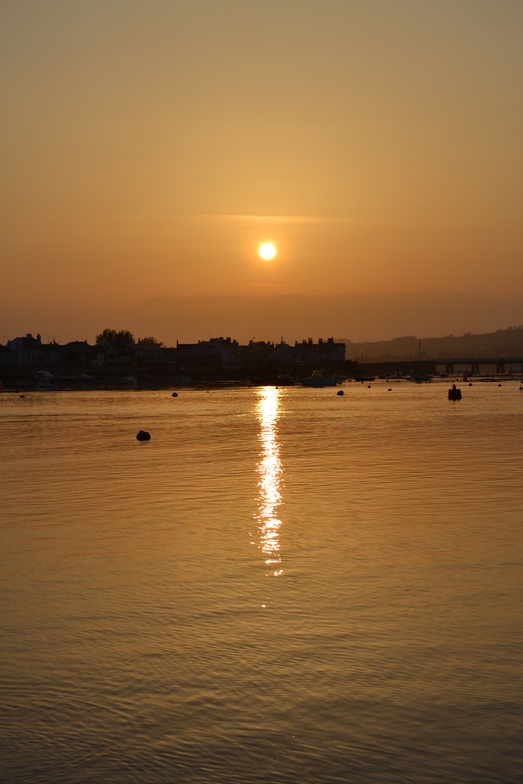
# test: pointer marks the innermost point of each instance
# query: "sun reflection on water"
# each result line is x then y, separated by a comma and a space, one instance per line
270, 470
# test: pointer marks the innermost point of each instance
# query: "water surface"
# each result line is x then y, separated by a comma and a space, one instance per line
283, 585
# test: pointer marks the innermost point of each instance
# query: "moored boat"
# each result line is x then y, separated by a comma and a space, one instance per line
45, 381
317, 380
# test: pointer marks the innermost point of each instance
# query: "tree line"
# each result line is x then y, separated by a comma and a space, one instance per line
123, 336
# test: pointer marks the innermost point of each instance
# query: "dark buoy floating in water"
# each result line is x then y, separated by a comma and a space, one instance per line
143, 435
454, 393
174, 394
340, 392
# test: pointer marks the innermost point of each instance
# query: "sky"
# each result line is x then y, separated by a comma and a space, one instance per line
149, 147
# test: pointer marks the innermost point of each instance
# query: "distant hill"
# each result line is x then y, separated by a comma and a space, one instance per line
503, 343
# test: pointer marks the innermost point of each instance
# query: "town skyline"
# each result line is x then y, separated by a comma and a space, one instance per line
295, 317
502, 341
119, 360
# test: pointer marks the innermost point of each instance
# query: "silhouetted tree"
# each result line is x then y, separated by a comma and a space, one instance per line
150, 341
112, 336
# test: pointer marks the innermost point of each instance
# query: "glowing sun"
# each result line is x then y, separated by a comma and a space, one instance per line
267, 251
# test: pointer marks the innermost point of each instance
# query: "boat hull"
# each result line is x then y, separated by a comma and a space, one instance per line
318, 383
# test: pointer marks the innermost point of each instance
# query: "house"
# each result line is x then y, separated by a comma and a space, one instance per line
255, 356
26, 349
145, 351
228, 350
31, 351
81, 353
196, 356
7, 356
324, 351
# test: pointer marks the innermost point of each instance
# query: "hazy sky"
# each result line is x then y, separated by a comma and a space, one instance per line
148, 148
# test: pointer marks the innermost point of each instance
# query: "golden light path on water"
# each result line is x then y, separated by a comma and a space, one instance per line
270, 470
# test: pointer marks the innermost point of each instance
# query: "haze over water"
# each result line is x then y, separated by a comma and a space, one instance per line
283, 585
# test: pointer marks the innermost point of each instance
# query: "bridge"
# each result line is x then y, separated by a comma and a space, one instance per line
499, 365
475, 363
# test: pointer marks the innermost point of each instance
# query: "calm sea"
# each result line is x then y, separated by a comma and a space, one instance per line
283, 585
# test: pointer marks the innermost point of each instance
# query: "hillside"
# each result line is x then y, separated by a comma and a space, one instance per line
502, 343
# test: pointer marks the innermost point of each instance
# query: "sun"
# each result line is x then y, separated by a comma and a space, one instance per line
267, 251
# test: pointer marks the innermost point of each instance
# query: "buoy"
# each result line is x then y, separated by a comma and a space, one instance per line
499, 385
175, 394
143, 435
470, 383
389, 389
454, 393
340, 392
368, 387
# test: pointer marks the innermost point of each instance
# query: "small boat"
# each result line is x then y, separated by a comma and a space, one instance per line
318, 381
45, 381
82, 378
129, 382
287, 380
419, 377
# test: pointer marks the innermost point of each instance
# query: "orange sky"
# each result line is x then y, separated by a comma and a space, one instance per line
148, 148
